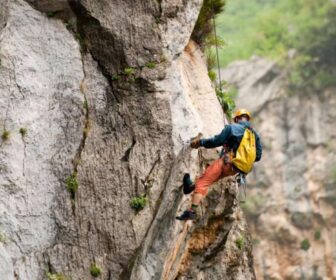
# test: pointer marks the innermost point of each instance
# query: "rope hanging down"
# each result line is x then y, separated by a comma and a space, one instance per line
216, 45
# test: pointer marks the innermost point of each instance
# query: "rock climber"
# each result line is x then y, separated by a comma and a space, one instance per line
230, 138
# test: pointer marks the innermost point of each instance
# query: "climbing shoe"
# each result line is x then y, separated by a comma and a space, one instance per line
188, 185
187, 215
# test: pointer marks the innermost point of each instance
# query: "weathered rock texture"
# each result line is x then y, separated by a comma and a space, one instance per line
108, 92
291, 195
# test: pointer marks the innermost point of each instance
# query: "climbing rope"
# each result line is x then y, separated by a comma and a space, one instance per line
216, 45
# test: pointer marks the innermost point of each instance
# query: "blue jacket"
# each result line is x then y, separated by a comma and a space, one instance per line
231, 135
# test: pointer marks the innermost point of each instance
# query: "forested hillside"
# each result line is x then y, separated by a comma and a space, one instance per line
302, 30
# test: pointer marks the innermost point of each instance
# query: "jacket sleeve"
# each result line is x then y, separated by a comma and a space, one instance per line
258, 147
217, 140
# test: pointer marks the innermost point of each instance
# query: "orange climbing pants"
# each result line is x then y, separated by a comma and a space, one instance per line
215, 171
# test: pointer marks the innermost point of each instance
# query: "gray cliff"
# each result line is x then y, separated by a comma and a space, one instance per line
106, 94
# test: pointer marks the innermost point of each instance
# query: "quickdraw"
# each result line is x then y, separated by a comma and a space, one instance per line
241, 181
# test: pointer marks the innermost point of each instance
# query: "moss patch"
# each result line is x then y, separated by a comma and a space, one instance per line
305, 244
129, 71
150, 65
240, 242
23, 131
95, 271
72, 184
139, 202
5, 135
317, 235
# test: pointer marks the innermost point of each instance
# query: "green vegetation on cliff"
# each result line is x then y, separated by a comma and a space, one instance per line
95, 271
203, 33
139, 202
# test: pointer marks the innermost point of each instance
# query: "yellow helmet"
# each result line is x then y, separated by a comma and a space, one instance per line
241, 112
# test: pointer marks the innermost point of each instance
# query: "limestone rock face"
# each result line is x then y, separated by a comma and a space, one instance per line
290, 202
98, 100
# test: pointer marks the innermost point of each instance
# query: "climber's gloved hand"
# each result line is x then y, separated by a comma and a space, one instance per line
195, 142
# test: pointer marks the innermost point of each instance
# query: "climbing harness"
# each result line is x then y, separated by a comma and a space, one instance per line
240, 177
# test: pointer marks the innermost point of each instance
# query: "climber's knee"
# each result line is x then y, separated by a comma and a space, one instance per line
212, 174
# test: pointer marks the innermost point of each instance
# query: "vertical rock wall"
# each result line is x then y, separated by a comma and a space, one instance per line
41, 70
106, 94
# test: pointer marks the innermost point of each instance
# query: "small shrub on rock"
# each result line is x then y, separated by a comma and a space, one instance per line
317, 235
5, 135
240, 242
23, 131
151, 65
305, 244
95, 270
139, 202
226, 95
72, 183
129, 71
212, 75
86, 105
115, 77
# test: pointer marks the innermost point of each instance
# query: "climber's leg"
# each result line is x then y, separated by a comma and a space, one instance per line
212, 174
217, 170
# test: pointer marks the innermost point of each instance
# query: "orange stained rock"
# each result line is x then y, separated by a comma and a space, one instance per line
174, 251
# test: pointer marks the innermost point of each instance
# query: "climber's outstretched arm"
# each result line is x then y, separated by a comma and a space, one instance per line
218, 140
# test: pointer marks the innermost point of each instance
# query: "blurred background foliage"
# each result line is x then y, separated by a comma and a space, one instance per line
299, 34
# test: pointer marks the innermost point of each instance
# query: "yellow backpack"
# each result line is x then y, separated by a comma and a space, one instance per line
246, 152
